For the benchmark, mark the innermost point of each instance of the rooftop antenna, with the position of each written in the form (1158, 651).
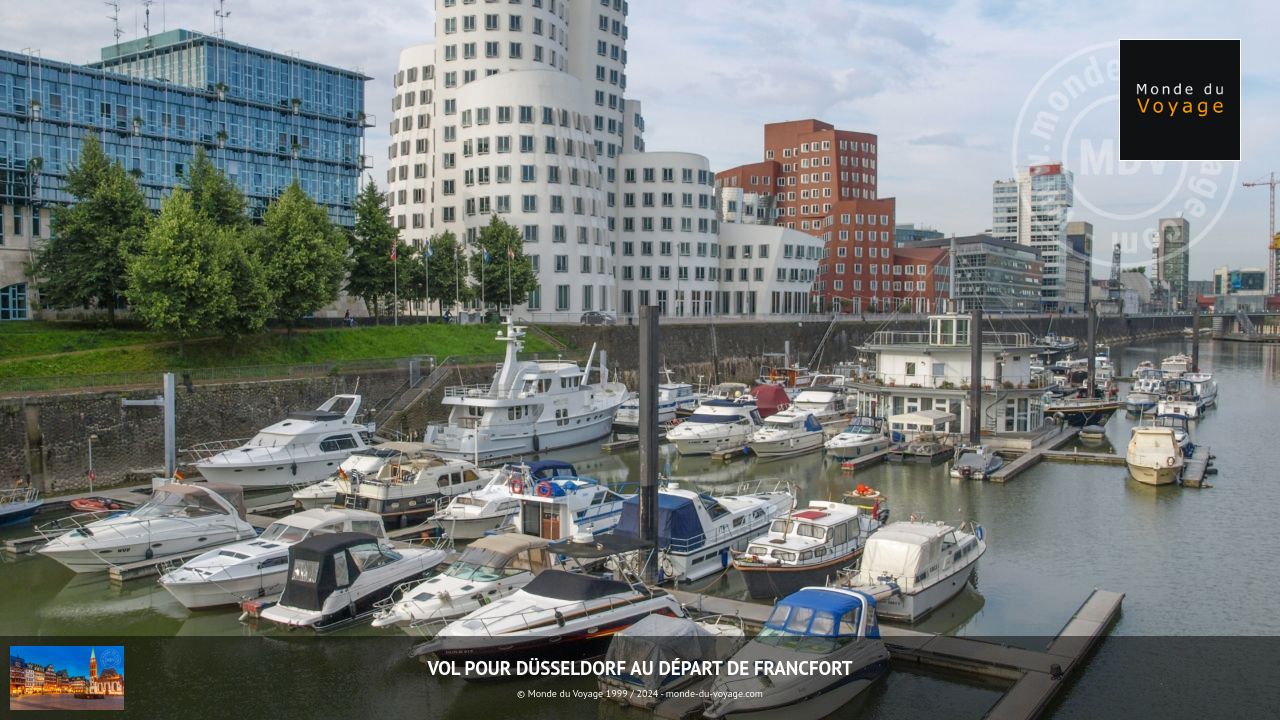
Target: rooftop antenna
(223, 13)
(146, 20)
(114, 17)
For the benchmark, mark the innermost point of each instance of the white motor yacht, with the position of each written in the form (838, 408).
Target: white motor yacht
(1154, 456)
(178, 518)
(673, 398)
(336, 578)
(806, 547)
(1175, 365)
(829, 403)
(531, 406)
(912, 568)
(697, 533)
(862, 436)
(488, 569)
(789, 432)
(305, 447)
(557, 504)
(814, 624)
(409, 492)
(568, 614)
(716, 425)
(975, 462)
(361, 464)
(1203, 388)
(1145, 392)
(473, 514)
(258, 567)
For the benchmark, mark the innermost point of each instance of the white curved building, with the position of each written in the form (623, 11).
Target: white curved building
(411, 168)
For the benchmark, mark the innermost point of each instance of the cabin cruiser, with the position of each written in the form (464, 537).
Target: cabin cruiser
(1175, 365)
(1153, 456)
(1145, 392)
(673, 399)
(531, 406)
(18, 504)
(473, 514)
(828, 403)
(715, 426)
(697, 532)
(925, 447)
(659, 640)
(410, 492)
(814, 624)
(178, 518)
(729, 391)
(806, 547)
(792, 378)
(1058, 345)
(361, 464)
(1080, 411)
(258, 567)
(335, 578)
(789, 432)
(305, 447)
(912, 568)
(488, 569)
(555, 503)
(1203, 387)
(1181, 431)
(862, 436)
(559, 613)
(1181, 398)
(975, 462)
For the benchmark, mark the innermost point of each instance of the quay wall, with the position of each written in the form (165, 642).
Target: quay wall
(44, 437)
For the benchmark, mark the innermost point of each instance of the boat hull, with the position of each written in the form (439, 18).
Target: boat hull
(1079, 417)
(18, 512)
(1155, 475)
(548, 438)
(197, 595)
(787, 446)
(766, 582)
(277, 473)
(83, 559)
(708, 444)
(910, 608)
(848, 452)
(470, 528)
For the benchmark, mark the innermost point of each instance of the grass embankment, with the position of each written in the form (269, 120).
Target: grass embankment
(46, 349)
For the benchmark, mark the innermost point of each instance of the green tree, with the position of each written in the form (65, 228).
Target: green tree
(504, 246)
(447, 270)
(213, 194)
(371, 273)
(84, 262)
(178, 282)
(252, 301)
(303, 253)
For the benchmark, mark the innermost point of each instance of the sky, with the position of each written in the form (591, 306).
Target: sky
(72, 658)
(950, 87)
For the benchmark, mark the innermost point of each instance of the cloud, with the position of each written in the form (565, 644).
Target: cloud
(943, 139)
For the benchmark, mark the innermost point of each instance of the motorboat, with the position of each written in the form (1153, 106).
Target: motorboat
(912, 568)
(1182, 399)
(1175, 365)
(790, 432)
(792, 378)
(488, 569)
(559, 614)
(655, 644)
(1153, 456)
(405, 493)
(1181, 431)
(813, 624)
(806, 547)
(474, 513)
(555, 503)
(1203, 388)
(673, 399)
(729, 391)
(1078, 412)
(1145, 392)
(698, 532)
(828, 403)
(717, 425)
(362, 463)
(926, 447)
(305, 447)
(975, 462)
(862, 436)
(530, 406)
(178, 518)
(18, 504)
(1058, 345)
(258, 567)
(336, 578)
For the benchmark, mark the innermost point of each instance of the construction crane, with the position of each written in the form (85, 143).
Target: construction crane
(1273, 247)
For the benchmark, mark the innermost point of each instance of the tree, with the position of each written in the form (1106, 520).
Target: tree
(84, 262)
(303, 253)
(252, 300)
(213, 194)
(447, 270)
(504, 247)
(371, 273)
(178, 282)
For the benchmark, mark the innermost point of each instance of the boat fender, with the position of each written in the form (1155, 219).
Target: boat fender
(724, 557)
(544, 489)
(293, 467)
(979, 532)
(559, 618)
(1170, 398)
(536, 444)
(148, 554)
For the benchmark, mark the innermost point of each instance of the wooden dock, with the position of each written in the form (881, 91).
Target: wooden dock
(857, 463)
(731, 454)
(1032, 457)
(626, 443)
(1083, 457)
(1197, 467)
(1036, 676)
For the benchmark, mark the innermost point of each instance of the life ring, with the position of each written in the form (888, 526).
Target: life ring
(1171, 460)
(863, 490)
(516, 484)
(543, 489)
(1170, 398)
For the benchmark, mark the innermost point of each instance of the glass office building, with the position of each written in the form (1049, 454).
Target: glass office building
(264, 118)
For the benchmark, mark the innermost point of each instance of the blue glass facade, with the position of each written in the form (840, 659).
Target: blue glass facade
(264, 118)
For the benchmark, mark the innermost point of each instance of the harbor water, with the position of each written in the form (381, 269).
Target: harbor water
(1190, 563)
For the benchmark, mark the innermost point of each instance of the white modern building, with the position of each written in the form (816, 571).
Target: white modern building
(1172, 255)
(739, 206)
(1033, 209)
(767, 269)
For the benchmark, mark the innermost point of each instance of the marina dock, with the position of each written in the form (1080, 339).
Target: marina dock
(1035, 676)
(1031, 457)
(629, 442)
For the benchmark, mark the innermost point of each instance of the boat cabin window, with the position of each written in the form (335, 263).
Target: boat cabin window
(340, 575)
(469, 476)
(166, 504)
(283, 532)
(841, 534)
(307, 571)
(368, 556)
(334, 443)
(714, 509)
(274, 562)
(570, 382)
(372, 527)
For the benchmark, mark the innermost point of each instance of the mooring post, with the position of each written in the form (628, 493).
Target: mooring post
(975, 370)
(1092, 319)
(1195, 337)
(648, 377)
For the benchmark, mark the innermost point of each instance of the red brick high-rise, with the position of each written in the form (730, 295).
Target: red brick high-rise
(823, 181)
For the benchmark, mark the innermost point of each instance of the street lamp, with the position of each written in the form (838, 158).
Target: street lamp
(92, 437)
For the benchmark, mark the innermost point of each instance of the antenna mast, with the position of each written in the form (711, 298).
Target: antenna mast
(114, 17)
(146, 20)
(223, 13)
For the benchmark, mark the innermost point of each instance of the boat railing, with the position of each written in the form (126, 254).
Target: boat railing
(205, 450)
(81, 521)
(478, 390)
(19, 495)
(530, 620)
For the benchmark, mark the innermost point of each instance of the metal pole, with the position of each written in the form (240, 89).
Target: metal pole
(1195, 336)
(91, 437)
(648, 377)
(1092, 319)
(170, 427)
(975, 370)
(395, 281)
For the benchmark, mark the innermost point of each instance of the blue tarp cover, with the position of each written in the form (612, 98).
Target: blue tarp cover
(543, 469)
(677, 519)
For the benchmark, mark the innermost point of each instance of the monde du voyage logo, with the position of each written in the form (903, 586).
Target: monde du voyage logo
(1180, 100)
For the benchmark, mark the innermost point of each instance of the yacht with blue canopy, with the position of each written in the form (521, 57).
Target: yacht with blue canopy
(818, 650)
(555, 503)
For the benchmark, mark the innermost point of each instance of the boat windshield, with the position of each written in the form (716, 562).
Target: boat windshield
(802, 529)
(481, 565)
(167, 504)
(709, 419)
(861, 429)
(283, 532)
(808, 630)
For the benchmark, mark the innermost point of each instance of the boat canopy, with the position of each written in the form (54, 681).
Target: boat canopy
(770, 398)
(562, 585)
(677, 521)
(507, 549)
(822, 612)
(544, 469)
(204, 496)
(659, 639)
(319, 565)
